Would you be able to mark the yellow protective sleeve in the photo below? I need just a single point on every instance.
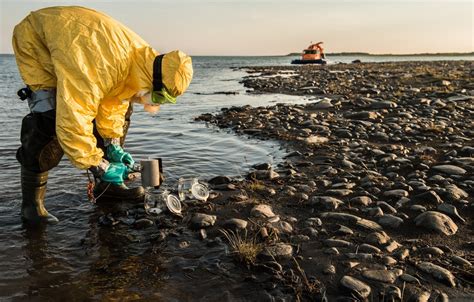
(94, 62)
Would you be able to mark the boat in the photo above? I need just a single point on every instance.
(313, 54)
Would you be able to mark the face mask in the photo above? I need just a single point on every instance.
(162, 97)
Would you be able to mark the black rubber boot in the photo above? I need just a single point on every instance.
(110, 192)
(33, 190)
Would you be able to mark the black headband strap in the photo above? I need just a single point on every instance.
(157, 76)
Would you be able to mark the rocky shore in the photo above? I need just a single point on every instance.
(374, 200)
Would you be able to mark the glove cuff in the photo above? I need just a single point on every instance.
(100, 169)
(111, 141)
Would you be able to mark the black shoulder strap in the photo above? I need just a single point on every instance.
(157, 76)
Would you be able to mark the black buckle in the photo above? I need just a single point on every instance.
(24, 93)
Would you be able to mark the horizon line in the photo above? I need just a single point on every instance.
(342, 53)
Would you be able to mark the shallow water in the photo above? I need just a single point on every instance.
(78, 259)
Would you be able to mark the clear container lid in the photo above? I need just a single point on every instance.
(173, 204)
(200, 191)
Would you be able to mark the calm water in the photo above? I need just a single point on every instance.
(77, 259)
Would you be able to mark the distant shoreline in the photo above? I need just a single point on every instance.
(366, 54)
(337, 54)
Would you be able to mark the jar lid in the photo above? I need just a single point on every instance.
(173, 204)
(200, 191)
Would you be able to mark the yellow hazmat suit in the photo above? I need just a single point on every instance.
(96, 64)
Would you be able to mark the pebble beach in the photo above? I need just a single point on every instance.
(374, 199)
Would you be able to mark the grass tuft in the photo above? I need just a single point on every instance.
(244, 247)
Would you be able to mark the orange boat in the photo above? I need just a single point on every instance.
(314, 54)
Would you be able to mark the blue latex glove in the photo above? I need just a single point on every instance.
(116, 173)
(116, 154)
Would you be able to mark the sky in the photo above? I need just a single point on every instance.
(277, 27)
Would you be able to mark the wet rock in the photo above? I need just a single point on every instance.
(451, 211)
(362, 115)
(450, 169)
(329, 203)
(337, 243)
(361, 201)
(432, 250)
(264, 175)
(143, 223)
(436, 221)
(357, 287)
(429, 197)
(380, 275)
(460, 261)
(235, 224)
(329, 270)
(278, 251)
(283, 227)
(262, 211)
(367, 248)
(316, 140)
(390, 221)
(200, 220)
(220, 180)
(393, 245)
(454, 193)
(409, 278)
(396, 193)
(339, 192)
(389, 261)
(331, 251)
(438, 272)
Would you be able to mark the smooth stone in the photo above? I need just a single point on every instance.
(396, 193)
(409, 278)
(369, 225)
(455, 193)
(402, 254)
(390, 221)
(450, 169)
(386, 207)
(200, 220)
(337, 243)
(378, 238)
(460, 261)
(437, 221)
(362, 115)
(438, 272)
(340, 216)
(339, 192)
(316, 140)
(143, 223)
(367, 248)
(329, 270)
(262, 210)
(451, 211)
(389, 261)
(283, 227)
(278, 250)
(330, 203)
(235, 224)
(359, 288)
(429, 197)
(331, 251)
(380, 275)
(432, 250)
(361, 201)
(393, 245)
(219, 180)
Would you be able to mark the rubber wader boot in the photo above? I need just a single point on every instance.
(107, 191)
(33, 189)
